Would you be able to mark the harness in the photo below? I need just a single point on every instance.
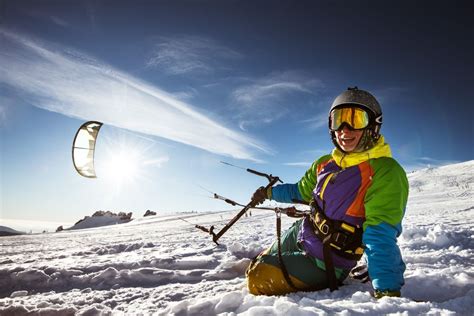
(337, 237)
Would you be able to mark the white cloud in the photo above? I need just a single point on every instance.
(305, 164)
(39, 14)
(266, 90)
(317, 152)
(265, 100)
(3, 115)
(58, 21)
(187, 94)
(7, 107)
(275, 86)
(417, 163)
(77, 86)
(317, 121)
(432, 162)
(157, 162)
(390, 95)
(189, 54)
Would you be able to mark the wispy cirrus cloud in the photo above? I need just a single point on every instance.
(266, 99)
(312, 153)
(190, 54)
(390, 94)
(411, 157)
(6, 105)
(318, 121)
(274, 86)
(157, 162)
(3, 115)
(67, 82)
(266, 90)
(48, 17)
(305, 164)
(427, 162)
(58, 21)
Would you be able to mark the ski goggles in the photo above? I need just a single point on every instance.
(356, 118)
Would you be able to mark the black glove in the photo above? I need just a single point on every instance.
(259, 196)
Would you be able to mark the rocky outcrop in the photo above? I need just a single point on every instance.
(125, 217)
(149, 213)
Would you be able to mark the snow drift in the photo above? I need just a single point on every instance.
(163, 265)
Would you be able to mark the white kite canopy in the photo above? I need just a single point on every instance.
(83, 148)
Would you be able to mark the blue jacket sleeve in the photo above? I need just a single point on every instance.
(286, 193)
(384, 260)
(385, 204)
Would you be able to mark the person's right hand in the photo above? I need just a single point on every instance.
(259, 196)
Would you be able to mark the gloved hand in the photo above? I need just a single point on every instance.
(259, 196)
(380, 294)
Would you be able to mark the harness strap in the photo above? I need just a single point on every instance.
(336, 236)
(330, 271)
(344, 238)
(280, 257)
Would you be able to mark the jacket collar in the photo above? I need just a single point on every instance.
(345, 160)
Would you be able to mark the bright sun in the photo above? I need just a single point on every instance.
(123, 165)
(125, 161)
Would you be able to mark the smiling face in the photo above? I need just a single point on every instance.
(348, 139)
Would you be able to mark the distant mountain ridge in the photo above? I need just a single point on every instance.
(7, 231)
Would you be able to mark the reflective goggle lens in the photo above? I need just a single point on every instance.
(355, 117)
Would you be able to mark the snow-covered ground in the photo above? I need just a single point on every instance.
(163, 265)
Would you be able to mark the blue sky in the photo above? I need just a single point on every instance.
(181, 85)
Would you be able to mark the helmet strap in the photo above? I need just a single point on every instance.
(365, 141)
(376, 132)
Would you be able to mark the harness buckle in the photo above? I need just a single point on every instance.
(337, 237)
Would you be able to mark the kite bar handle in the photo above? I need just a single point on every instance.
(215, 237)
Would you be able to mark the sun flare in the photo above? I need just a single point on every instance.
(127, 161)
(123, 165)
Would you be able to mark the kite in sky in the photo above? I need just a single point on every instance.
(83, 148)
